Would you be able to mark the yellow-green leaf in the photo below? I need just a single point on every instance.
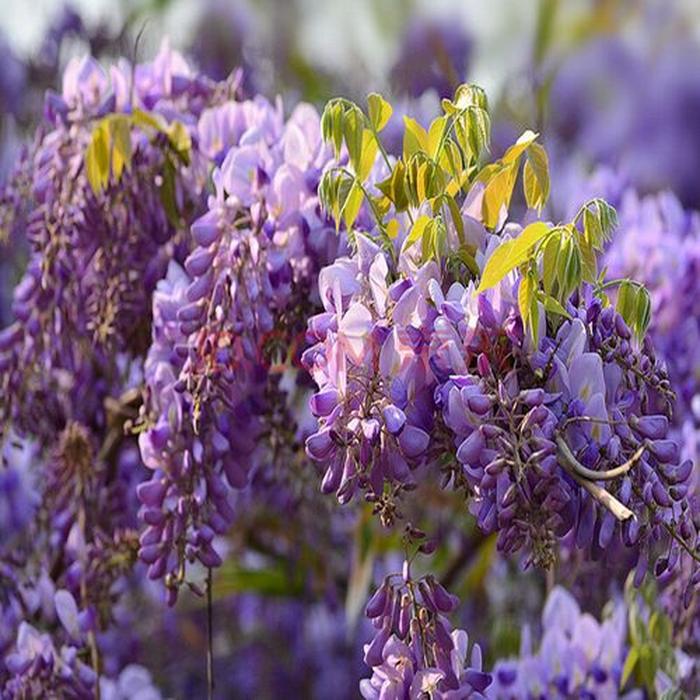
(180, 140)
(351, 207)
(121, 144)
(417, 231)
(97, 157)
(510, 254)
(415, 138)
(369, 154)
(526, 293)
(145, 119)
(512, 155)
(589, 262)
(499, 190)
(549, 263)
(630, 665)
(435, 135)
(536, 177)
(394, 187)
(554, 307)
(379, 111)
(353, 130)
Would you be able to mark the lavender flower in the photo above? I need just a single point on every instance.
(218, 331)
(414, 651)
(577, 656)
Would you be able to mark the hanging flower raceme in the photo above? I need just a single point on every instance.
(415, 651)
(659, 243)
(108, 192)
(223, 328)
(115, 179)
(499, 353)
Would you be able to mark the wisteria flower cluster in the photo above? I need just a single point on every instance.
(414, 652)
(221, 323)
(578, 656)
(539, 410)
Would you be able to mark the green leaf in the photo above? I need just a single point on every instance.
(599, 222)
(512, 155)
(417, 231)
(630, 665)
(527, 304)
(332, 124)
(589, 262)
(353, 130)
(456, 214)
(352, 205)
(438, 249)
(120, 133)
(168, 194)
(552, 306)
(379, 111)
(634, 305)
(415, 138)
(369, 154)
(146, 119)
(536, 177)
(497, 194)
(549, 263)
(569, 267)
(180, 140)
(274, 580)
(647, 665)
(394, 187)
(643, 311)
(436, 133)
(97, 157)
(510, 254)
(466, 255)
(466, 95)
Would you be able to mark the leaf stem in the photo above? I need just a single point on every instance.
(210, 638)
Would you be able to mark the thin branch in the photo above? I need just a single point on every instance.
(607, 500)
(592, 474)
(672, 531)
(210, 638)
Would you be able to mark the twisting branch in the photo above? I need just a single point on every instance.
(607, 500)
(591, 474)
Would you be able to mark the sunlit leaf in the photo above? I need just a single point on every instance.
(417, 231)
(352, 205)
(513, 153)
(121, 144)
(181, 141)
(436, 133)
(379, 111)
(415, 138)
(97, 157)
(536, 177)
(497, 195)
(369, 154)
(511, 253)
(394, 187)
(629, 667)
